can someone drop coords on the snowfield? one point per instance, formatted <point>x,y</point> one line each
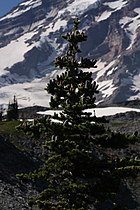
<point>19,11</point>
<point>30,93</point>
<point>99,112</point>
<point>8,58</point>
<point>27,94</point>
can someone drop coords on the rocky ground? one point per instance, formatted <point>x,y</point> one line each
<point>14,194</point>
<point>22,154</point>
<point>128,122</point>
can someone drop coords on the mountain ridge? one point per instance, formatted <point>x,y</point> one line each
<point>31,38</point>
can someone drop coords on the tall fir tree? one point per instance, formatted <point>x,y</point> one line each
<point>79,173</point>
<point>12,112</point>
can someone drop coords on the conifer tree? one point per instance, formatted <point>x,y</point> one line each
<point>78,173</point>
<point>1,113</point>
<point>12,112</point>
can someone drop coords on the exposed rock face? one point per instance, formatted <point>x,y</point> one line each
<point>30,39</point>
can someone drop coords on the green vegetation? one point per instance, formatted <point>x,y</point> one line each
<point>78,174</point>
<point>9,127</point>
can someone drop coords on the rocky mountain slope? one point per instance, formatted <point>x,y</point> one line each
<point>30,39</point>
<point>19,154</point>
<point>14,194</point>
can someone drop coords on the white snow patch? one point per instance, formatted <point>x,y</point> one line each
<point>107,88</point>
<point>107,111</point>
<point>116,5</point>
<point>111,71</point>
<point>79,7</point>
<point>53,27</point>
<point>30,2</point>
<point>60,23</point>
<point>26,3</point>
<point>105,15</point>
<point>14,52</point>
<point>102,68</point>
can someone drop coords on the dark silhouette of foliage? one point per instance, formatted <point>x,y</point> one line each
<point>1,113</point>
<point>12,112</point>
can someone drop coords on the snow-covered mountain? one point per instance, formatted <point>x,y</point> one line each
<point>30,39</point>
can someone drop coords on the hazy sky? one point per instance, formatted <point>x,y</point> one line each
<point>7,5</point>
